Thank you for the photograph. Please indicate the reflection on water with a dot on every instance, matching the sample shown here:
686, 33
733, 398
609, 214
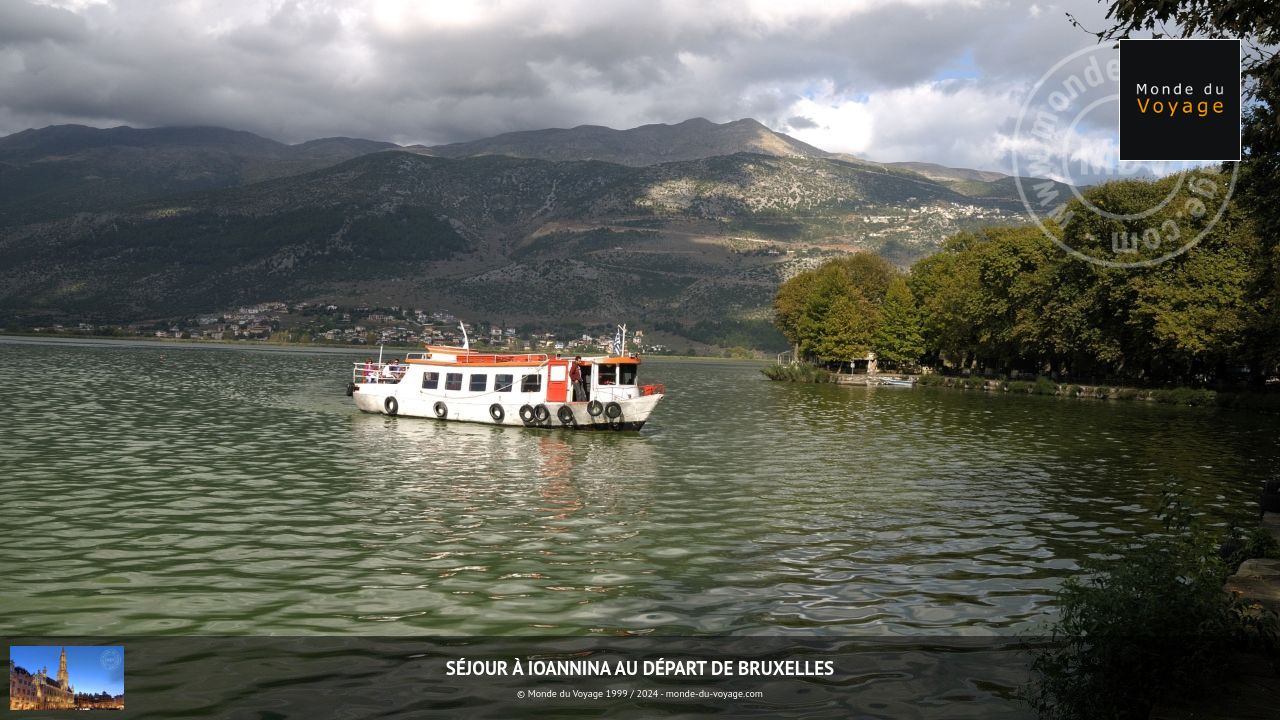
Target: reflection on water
166, 490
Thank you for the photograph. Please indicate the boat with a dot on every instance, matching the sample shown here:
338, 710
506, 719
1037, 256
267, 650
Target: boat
529, 389
895, 382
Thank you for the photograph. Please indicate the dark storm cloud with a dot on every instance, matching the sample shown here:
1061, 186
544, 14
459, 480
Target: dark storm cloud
21, 22
443, 72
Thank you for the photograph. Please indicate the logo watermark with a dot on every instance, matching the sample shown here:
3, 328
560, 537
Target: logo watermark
1064, 139
111, 659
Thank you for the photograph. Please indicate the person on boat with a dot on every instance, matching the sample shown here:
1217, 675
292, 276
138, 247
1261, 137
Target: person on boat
575, 376
370, 375
389, 371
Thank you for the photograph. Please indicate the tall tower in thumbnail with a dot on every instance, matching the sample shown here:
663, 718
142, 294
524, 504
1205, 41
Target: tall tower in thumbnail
63, 681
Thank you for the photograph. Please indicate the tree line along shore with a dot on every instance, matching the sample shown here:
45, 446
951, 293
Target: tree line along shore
1002, 303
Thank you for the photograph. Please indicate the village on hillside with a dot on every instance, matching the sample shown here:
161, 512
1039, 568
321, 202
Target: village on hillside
338, 325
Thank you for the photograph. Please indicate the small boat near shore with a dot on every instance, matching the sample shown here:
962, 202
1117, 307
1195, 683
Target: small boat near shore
530, 390
894, 382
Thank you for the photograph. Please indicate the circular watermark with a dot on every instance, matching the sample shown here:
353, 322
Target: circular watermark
111, 659
1065, 139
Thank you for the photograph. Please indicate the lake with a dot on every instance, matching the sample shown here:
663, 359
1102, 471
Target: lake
154, 489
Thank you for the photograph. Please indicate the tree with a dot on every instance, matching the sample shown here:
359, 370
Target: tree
898, 339
830, 313
1257, 23
1006, 298
869, 273
847, 327
836, 321
789, 305
946, 286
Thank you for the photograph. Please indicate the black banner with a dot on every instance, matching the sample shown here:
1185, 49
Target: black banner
379, 677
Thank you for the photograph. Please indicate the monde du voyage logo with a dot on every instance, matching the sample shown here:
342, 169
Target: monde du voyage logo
1180, 100
1166, 111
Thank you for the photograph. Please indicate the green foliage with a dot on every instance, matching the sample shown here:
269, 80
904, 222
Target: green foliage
898, 340
797, 373
1142, 626
831, 313
1007, 299
1257, 22
1044, 386
1185, 396
1256, 542
838, 323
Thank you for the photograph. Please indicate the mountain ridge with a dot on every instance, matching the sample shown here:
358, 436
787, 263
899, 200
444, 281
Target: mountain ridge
679, 241
192, 220
643, 145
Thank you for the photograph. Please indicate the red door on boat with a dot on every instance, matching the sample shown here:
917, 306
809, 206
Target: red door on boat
557, 380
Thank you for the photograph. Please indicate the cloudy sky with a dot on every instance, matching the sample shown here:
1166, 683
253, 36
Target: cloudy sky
928, 80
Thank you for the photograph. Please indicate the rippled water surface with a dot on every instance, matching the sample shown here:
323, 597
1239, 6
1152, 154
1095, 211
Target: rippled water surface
159, 489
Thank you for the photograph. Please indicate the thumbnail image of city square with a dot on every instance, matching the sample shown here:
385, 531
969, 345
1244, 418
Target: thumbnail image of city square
88, 677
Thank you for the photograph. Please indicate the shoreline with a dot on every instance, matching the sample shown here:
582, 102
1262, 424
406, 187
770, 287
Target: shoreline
276, 346
1244, 398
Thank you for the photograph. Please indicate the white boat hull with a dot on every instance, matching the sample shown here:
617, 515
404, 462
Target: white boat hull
407, 401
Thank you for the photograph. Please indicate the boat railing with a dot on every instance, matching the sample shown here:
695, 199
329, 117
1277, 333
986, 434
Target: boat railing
372, 372
497, 358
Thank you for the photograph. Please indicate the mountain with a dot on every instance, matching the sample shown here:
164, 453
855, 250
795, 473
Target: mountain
671, 245
645, 145
941, 172
687, 228
979, 183
65, 169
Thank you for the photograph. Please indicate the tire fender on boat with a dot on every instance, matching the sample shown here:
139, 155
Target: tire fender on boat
440, 409
496, 412
594, 408
391, 405
565, 414
351, 389
526, 414
541, 413
613, 411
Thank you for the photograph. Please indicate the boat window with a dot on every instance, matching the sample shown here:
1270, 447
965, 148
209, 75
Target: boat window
531, 383
453, 381
479, 383
608, 375
627, 374
430, 381
502, 383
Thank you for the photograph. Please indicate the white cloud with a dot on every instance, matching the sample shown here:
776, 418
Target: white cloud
951, 121
837, 125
